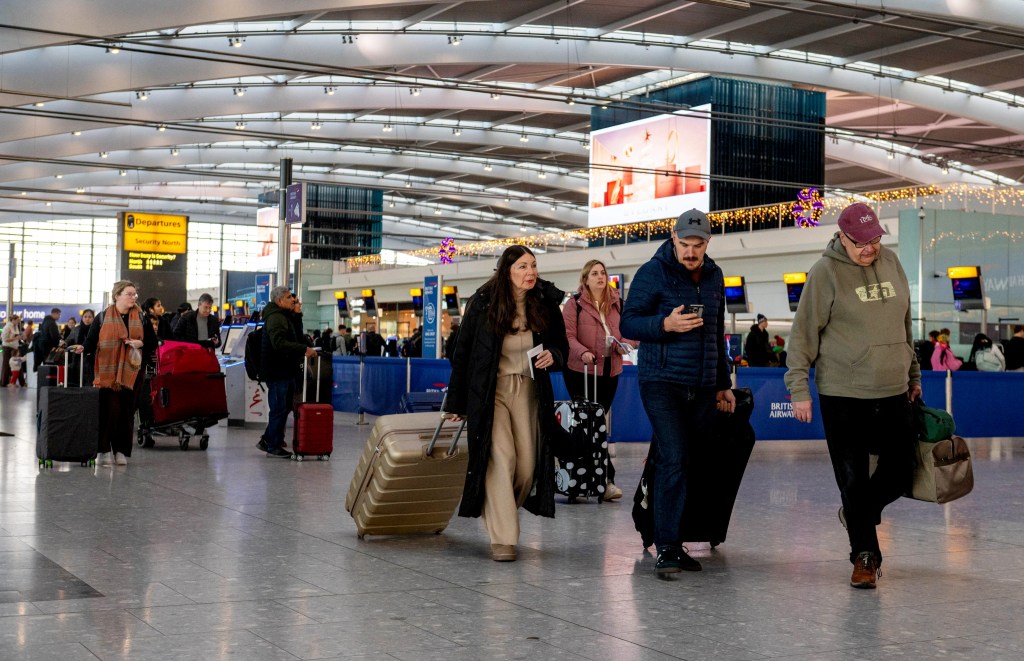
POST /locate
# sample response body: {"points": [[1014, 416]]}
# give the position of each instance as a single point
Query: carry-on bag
{"points": [[410, 476], [943, 471], [48, 376], [175, 357], [716, 470], [585, 474], [314, 423], [68, 423]]}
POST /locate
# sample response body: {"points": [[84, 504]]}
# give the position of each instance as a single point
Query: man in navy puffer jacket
{"points": [[683, 366]]}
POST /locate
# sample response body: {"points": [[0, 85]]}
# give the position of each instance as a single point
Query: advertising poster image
{"points": [[650, 169]]}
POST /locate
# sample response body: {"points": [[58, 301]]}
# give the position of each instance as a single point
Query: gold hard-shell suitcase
{"points": [[410, 476]]}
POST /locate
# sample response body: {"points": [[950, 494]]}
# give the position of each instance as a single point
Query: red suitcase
{"points": [[190, 396], [314, 424]]}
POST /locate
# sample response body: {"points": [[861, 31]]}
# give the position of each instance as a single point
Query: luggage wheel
{"points": [[297, 457], [204, 442], [320, 457], [183, 440]]}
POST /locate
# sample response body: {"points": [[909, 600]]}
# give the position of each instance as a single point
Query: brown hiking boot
{"points": [[865, 571]]}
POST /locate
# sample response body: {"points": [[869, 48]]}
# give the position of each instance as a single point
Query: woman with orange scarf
{"points": [[117, 338]]}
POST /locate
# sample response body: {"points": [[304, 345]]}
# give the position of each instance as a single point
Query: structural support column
{"points": [[283, 233]]}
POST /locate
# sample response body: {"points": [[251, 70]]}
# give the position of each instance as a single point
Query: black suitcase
{"points": [[585, 475], [68, 424], [421, 402], [711, 489]]}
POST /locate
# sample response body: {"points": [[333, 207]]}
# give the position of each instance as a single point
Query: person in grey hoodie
{"points": [[853, 326]]}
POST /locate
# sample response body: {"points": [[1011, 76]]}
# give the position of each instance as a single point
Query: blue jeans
{"points": [[680, 416], [279, 398]]}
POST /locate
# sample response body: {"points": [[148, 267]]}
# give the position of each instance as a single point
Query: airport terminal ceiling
{"points": [[473, 117]]}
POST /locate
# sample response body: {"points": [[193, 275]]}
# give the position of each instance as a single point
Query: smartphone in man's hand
{"points": [[695, 308]]}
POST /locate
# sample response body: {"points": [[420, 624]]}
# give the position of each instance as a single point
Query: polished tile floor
{"points": [[228, 554]]}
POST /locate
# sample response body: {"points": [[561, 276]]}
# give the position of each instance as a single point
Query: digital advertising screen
{"points": [[650, 169]]}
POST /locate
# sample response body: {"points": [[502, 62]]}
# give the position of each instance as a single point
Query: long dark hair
{"points": [[981, 341], [502, 313], [147, 305]]}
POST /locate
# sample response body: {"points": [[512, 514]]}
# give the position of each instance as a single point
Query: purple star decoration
{"points": [[808, 208], [447, 251]]}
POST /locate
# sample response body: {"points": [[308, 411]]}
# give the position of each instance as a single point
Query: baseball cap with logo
{"points": [[693, 223], [860, 223]]}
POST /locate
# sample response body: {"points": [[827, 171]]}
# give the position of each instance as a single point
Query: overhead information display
{"points": [[153, 251]]}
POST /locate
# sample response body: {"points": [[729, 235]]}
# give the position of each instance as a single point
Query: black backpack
{"points": [[254, 354]]}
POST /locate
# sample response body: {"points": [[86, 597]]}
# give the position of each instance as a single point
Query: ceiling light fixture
{"points": [[76, 133], [437, 212], [542, 175], [569, 101], [142, 95], [24, 193], [239, 126], [945, 169], [731, 4], [455, 39], [487, 167], [236, 42], [891, 155], [391, 204], [456, 131], [49, 204], [174, 151], [161, 128], [524, 138], [586, 144], [104, 154], [315, 126], [239, 91], [495, 95], [347, 39], [553, 207], [39, 104], [113, 49], [415, 91], [408, 184], [79, 190], [123, 173], [329, 90], [387, 128], [59, 176]]}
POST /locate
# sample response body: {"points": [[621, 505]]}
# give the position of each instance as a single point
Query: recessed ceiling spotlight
{"points": [[239, 126], [330, 90], [39, 104], [76, 133], [161, 128], [174, 151], [142, 95], [123, 173]]}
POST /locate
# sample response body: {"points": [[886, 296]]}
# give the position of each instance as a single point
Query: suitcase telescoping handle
{"points": [[437, 432], [305, 381], [67, 370], [586, 391]]}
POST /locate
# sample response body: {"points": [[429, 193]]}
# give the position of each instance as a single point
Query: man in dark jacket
{"points": [[49, 338], [199, 327], [758, 347], [280, 358], [683, 367]]}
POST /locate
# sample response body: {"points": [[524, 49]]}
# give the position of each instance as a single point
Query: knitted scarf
{"points": [[113, 369]]}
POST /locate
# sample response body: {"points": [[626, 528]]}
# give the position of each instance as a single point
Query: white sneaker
{"points": [[104, 459], [120, 459]]}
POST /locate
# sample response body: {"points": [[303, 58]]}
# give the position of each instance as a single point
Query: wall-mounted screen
{"points": [[794, 290], [966, 289], [234, 332], [651, 168]]}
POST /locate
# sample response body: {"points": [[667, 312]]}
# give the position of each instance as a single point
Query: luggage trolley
{"points": [[188, 395]]}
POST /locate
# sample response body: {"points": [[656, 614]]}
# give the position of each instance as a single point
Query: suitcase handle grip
{"points": [[437, 432]]}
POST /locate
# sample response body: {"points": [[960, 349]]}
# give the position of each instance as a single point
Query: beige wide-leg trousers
{"points": [[513, 458]]}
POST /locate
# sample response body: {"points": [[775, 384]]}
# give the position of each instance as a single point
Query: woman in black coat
{"points": [[510, 417]]}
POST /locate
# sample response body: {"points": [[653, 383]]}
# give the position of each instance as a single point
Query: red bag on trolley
{"points": [[184, 357]]}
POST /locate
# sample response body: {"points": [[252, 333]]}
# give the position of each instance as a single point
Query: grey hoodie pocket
{"points": [[883, 366]]}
